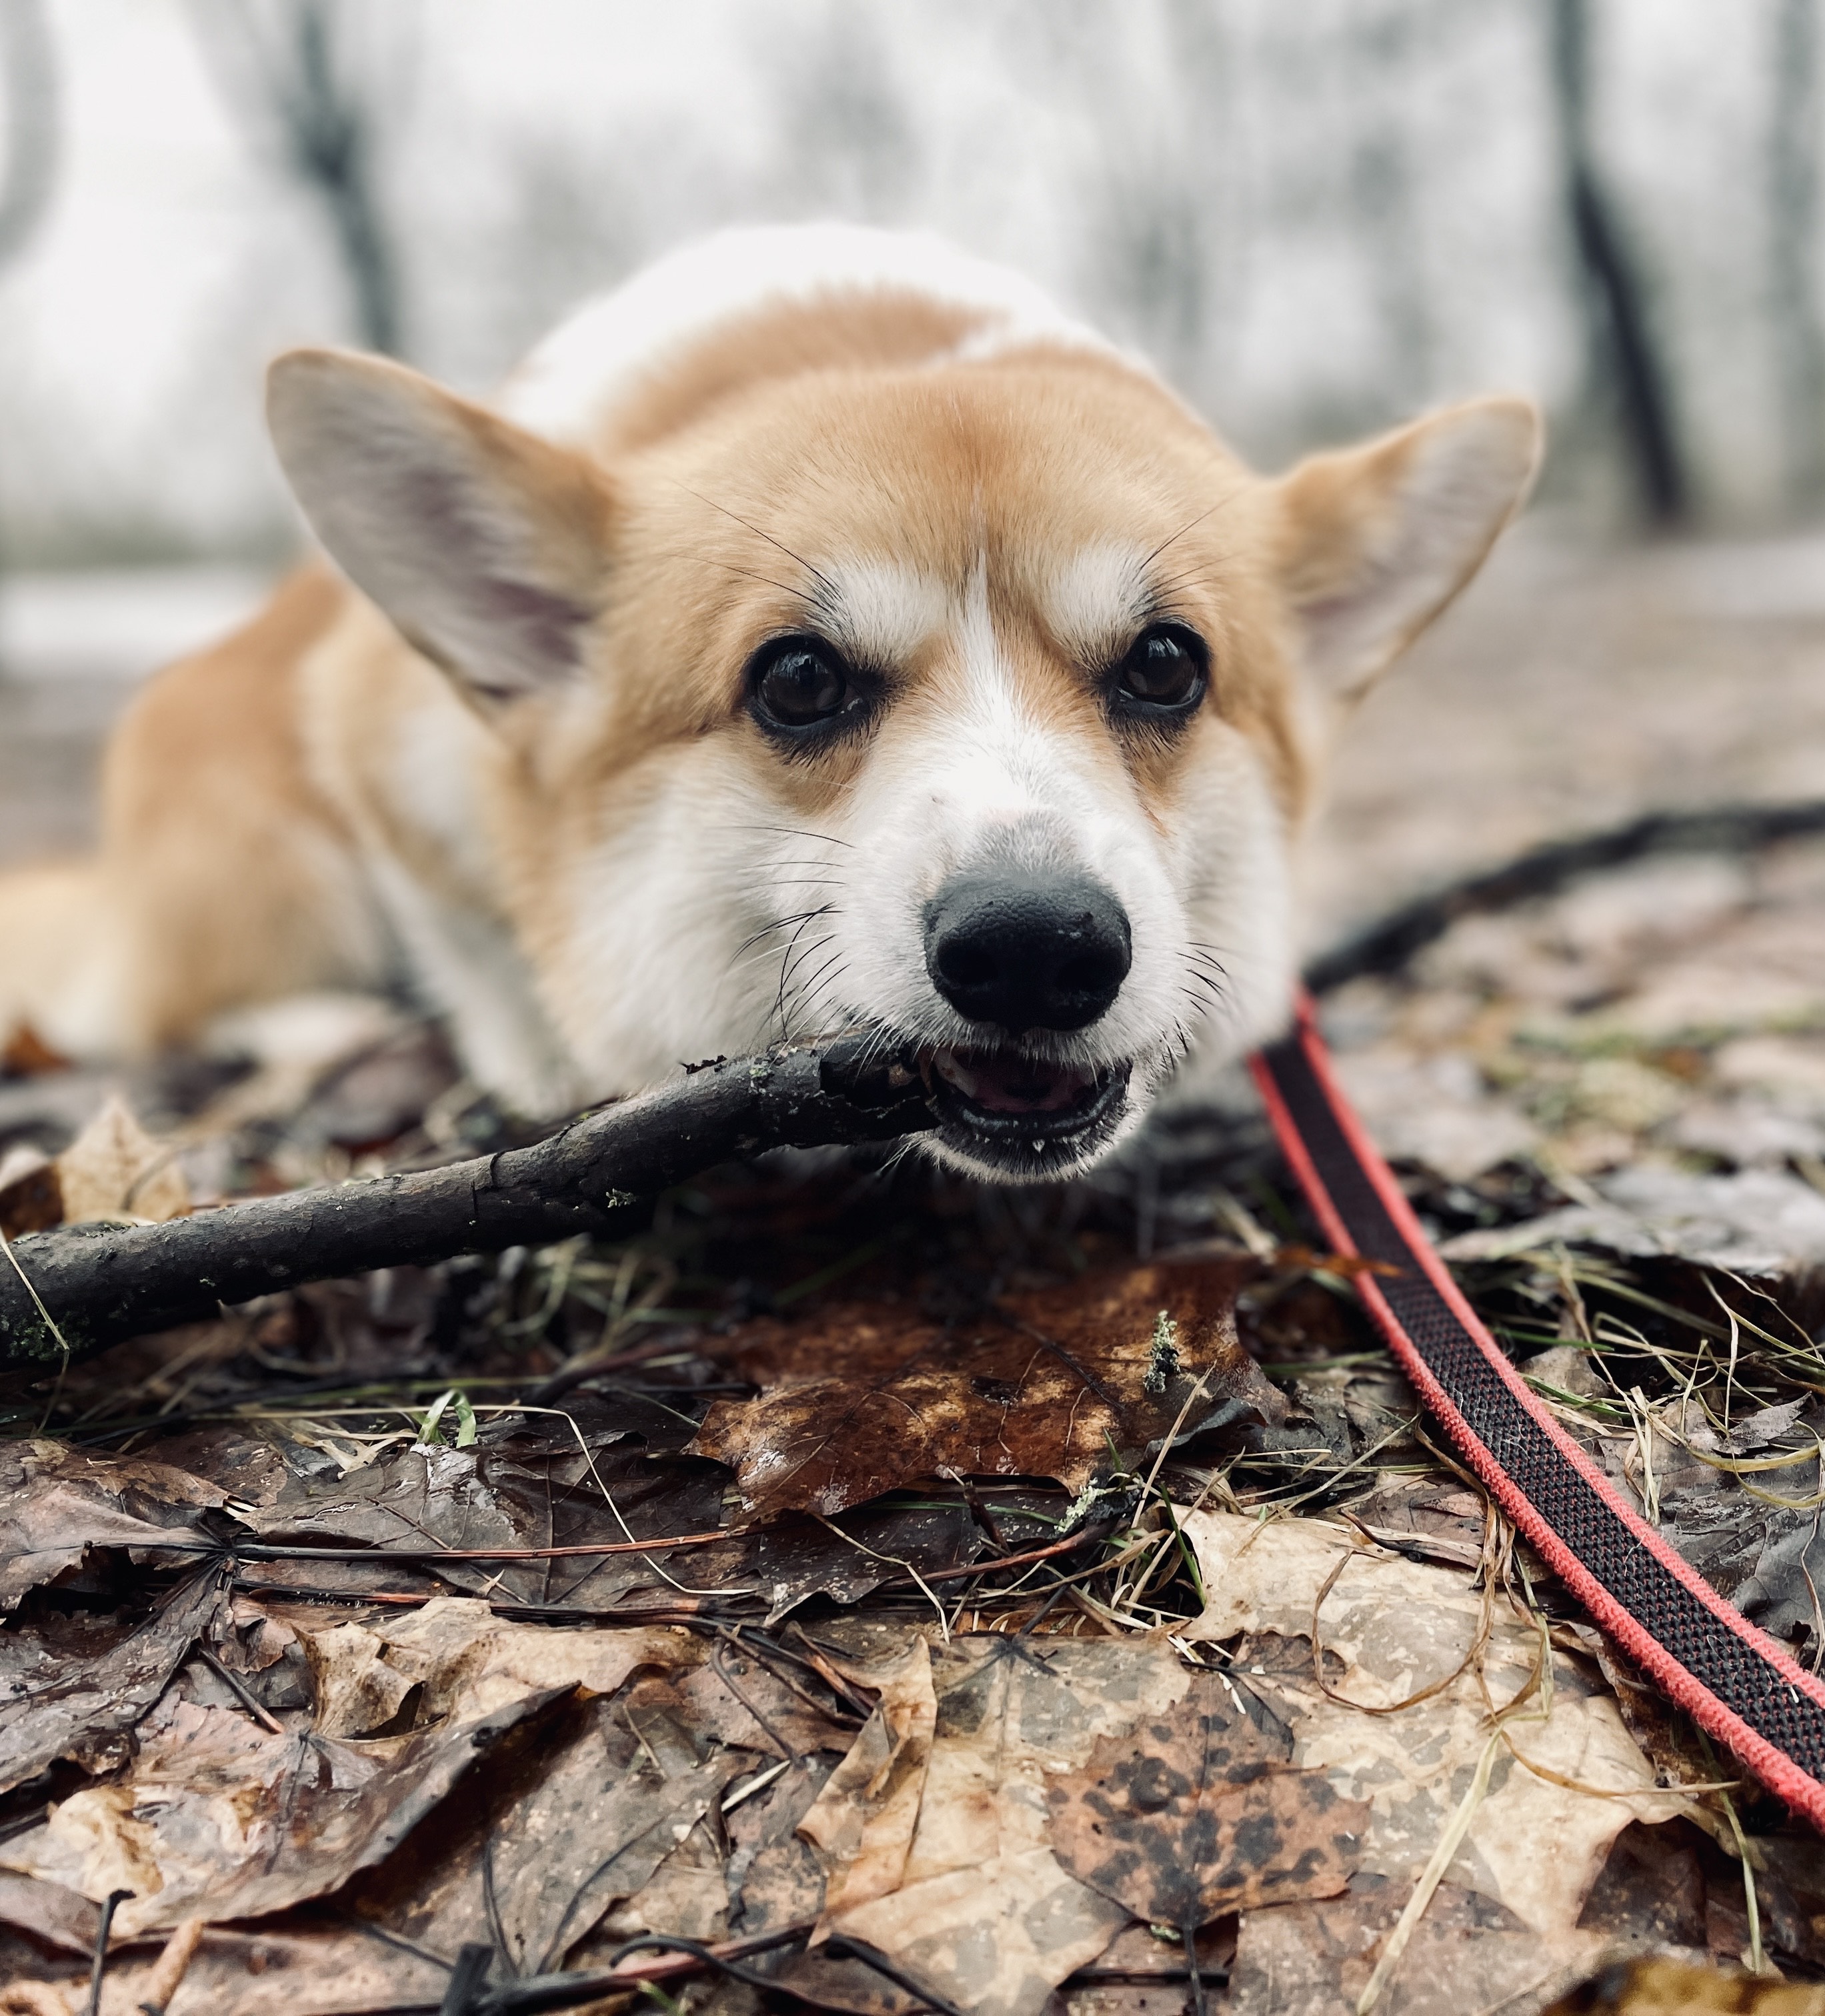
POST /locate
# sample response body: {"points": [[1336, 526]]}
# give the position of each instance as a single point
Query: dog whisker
{"points": [[823, 581]]}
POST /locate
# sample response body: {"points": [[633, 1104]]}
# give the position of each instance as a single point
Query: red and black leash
{"points": [[1737, 1684]]}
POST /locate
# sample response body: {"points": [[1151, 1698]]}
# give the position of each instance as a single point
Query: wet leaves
{"points": [[1199, 1812], [81, 1701], [114, 1169], [57, 1504], [346, 1764], [1041, 1385]]}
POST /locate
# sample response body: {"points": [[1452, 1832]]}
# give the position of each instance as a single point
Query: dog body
{"points": [[822, 631]]}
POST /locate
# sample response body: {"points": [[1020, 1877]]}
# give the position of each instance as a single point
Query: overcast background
{"points": [[1317, 217]]}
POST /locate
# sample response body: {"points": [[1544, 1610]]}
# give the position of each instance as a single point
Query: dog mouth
{"points": [[1022, 1116]]}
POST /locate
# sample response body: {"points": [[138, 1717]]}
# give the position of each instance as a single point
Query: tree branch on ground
{"points": [[66, 1294]]}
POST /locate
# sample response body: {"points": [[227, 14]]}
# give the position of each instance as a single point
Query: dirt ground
{"points": [[1576, 685]]}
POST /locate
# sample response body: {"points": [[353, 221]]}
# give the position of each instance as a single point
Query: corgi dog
{"points": [[821, 631]]}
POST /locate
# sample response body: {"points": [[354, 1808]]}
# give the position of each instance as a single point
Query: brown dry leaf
{"points": [[25, 1054], [55, 1917], [433, 1497], [31, 1199], [217, 1812], [1197, 1814], [221, 1816], [1654, 1987], [1467, 1954], [56, 1502], [465, 1662], [864, 1398], [986, 1912], [580, 1807], [788, 1719], [1535, 1846], [56, 1703], [287, 1968], [861, 1825], [114, 1169], [996, 1939]]}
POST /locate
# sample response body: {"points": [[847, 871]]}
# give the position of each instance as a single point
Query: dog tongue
{"points": [[1003, 1084]]}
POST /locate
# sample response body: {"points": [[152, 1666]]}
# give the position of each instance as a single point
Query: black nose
{"points": [[1029, 952]]}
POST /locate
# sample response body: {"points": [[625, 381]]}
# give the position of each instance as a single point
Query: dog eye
{"points": [[1163, 672], [797, 682]]}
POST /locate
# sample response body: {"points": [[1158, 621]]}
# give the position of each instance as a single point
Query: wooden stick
{"points": [[74, 1291]]}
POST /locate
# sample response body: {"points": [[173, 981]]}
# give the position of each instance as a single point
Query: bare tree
{"points": [[28, 146], [1622, 342], [1152, 84], [1381, 45], [1793, 246], [847, 138], [28, 83], [294, 68]]}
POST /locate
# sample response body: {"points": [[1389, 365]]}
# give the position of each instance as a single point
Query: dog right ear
{"points": [[486, 546]]}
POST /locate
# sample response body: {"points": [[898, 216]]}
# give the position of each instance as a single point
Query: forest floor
{"points": [[927, 1598]]}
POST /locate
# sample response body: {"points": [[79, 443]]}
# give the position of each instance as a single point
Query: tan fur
{"points": [[269, 803]]}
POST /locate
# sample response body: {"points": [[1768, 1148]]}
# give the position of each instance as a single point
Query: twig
{"points": [[718, 1661], [115, 1900], [681, 1957], [168, 1970], [425, 1557], [842, 1944], [93, 1285], [241, 1692]]}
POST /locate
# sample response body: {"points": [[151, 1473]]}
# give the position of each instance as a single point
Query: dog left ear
{"points": [[1374, 541], [487, 546]]}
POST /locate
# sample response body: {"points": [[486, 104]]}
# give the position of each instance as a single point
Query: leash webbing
{"points": [[1737, 1684]]}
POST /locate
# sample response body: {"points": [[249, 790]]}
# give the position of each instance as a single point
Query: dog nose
{"points": [[1028, 952]]}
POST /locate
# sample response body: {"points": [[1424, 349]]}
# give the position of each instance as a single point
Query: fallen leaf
{"points": [[1197, 1813], [114, 1169], [866, 1398], [861, 1825], [53, 1705], [986, 1912], [25, 1054], [1652, 1888], [54, 1915], [31, 1199], [767, 1715], [1534, 1845], [238, 1820], [1467, 1953], [772, 1872], [432, 1497], [997, 1938], [582, 1807], [1657, 1987], [1761, 1222], [282, 1967], [57, 1502]]}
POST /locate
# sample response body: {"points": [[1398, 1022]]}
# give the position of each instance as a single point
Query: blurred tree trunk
{"points": [[1622, 344], [28, 79], [1382, 45], [1793, 234], [28, 147], [291, 65]]}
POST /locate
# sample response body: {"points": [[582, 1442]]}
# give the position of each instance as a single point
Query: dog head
{"points": [[975, 703]]}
